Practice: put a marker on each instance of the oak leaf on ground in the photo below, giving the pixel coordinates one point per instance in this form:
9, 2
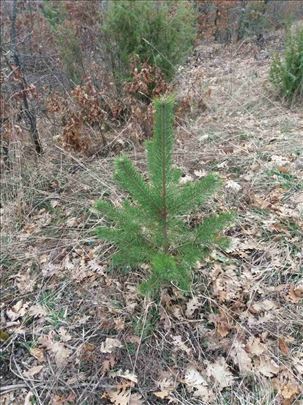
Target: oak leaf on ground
110, 345
241, 357
266, 366
197, 385
31, 372
123, 397
220, 373
255, 346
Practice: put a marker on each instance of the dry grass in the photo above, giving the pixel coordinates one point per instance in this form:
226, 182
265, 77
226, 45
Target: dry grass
59, 275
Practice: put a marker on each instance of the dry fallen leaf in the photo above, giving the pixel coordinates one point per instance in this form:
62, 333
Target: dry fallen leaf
31, 372
119, 324
200, 173
180, 345
17, 311
283, 346
127, 375
58, 349
220, 372
64, 335
136, 399
262, 306
192, 305
197, 385
298, 363
283, 169
227, 286
108, 364
233, 186
25, 283
166, 383
38, 354
287, 387
162, 394
71, 222
185, 179
241, 358
255, 347
37, 310
267, 367
110, 345
222, 322
28, 398
95, 266
289, 391
49, 269
193, 378
117, 397
295, 293
61, 353
63, 400
76, 378
123, 397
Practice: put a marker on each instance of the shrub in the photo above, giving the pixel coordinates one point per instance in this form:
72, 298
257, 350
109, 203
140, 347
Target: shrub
86, 117
159, 33
286, 74
252, 20
228, 20
66, 38
147, 82
70, 52
150, 227
55, 14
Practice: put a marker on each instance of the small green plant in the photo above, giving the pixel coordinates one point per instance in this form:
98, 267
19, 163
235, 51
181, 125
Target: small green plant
159, 33
151, 227
56, 316
286, 74
287, 181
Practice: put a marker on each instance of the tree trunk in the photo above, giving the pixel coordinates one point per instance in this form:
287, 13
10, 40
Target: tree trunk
29, 113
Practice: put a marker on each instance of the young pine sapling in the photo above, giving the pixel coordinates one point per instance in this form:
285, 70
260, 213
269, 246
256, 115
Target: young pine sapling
149, 227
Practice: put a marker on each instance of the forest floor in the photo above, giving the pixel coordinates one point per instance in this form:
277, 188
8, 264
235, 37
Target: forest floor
75, 332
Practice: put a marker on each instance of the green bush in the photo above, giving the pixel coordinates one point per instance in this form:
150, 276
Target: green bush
66, 39
151, 227
55, 14
286, 73
159, 33
70, 52
252, 20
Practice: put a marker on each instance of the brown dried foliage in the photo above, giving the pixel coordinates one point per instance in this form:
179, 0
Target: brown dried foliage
147, 81
90, 114
85, 117
215, 16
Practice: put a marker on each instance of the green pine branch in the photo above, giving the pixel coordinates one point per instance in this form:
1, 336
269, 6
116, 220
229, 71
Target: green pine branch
160, 148
194, 194
149, 227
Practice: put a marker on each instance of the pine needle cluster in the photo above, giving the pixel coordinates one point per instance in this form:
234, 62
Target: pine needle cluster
149, 227
286, 73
